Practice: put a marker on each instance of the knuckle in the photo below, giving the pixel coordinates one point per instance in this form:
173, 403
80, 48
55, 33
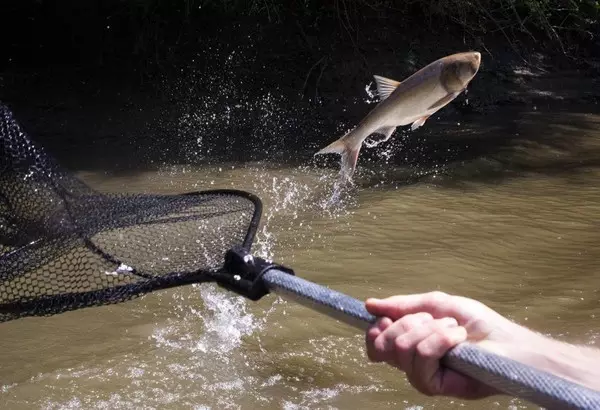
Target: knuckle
372, 334
382, 323
425, 350
425, 316
437, 302
445, 339
379, 346
403, 343
407, 322
445, 323
437, 297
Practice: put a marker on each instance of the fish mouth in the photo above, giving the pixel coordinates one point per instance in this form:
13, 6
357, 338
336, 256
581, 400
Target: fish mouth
477, 56
474, 64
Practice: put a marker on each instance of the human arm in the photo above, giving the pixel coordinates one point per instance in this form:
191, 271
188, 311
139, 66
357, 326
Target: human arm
414, 332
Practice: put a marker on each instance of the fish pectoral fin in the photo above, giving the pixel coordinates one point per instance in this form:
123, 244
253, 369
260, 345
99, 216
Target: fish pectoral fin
386, 131
444, 100
418, 123
387, 134
385, 86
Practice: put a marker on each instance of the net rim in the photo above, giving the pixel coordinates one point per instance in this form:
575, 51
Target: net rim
256, 217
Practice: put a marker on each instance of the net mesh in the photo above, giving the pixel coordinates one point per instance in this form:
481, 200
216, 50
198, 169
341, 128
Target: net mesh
64, 245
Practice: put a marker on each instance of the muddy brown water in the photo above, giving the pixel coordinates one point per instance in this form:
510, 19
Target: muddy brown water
516, 229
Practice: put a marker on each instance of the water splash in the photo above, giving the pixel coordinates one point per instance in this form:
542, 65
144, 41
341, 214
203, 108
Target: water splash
225, 320
226, 323
225, 112
372, 93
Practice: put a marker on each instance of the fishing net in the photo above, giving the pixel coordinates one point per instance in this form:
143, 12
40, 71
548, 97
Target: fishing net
65, 246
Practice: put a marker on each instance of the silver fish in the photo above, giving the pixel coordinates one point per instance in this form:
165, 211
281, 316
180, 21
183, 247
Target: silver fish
411, 101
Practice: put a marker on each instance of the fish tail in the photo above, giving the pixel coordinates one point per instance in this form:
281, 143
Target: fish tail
348, 149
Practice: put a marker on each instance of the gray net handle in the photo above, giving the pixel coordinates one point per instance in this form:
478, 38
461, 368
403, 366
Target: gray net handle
503, 374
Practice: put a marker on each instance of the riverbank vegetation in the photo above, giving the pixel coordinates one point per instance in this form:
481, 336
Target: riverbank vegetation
147, 34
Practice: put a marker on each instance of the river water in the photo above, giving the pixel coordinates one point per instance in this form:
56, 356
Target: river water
516, 228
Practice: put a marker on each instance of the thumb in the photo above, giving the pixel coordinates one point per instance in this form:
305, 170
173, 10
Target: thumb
392, 307
438, 304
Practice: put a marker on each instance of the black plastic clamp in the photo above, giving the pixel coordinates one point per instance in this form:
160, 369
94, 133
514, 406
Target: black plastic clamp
242, 273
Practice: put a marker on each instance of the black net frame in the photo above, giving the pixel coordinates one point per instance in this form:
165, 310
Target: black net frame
65, 246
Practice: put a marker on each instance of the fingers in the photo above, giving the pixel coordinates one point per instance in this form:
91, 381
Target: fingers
429, 378
386, 341
415, 344
373, 332
381, 336
407, 345
426, 374
415, 331
396, 344
438, 304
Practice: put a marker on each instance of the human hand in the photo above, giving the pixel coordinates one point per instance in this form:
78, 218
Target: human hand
414, 332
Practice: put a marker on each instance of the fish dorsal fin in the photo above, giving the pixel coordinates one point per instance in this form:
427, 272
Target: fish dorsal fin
385, 86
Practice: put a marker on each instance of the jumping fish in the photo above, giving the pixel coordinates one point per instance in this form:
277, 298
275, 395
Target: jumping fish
411, 101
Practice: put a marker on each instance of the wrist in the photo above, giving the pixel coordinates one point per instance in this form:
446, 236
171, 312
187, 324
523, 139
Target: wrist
571, 362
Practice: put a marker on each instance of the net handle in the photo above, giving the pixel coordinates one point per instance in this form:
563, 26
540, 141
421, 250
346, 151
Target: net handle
503, 374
